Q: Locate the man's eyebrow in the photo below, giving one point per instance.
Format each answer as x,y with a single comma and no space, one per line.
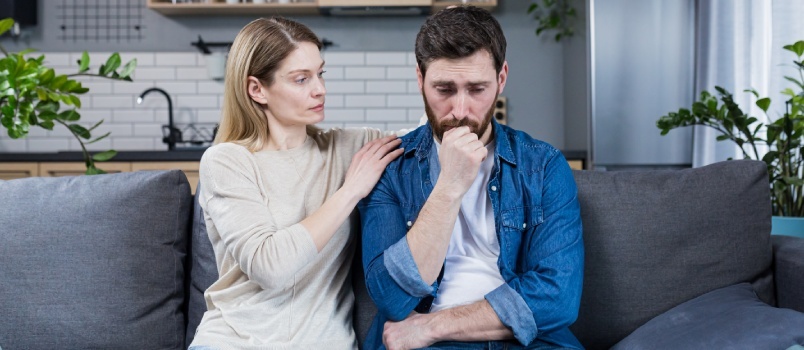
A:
450,83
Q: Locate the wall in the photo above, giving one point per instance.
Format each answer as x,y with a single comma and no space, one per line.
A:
359,92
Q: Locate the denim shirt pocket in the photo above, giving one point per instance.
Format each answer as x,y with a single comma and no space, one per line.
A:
515,224
521,218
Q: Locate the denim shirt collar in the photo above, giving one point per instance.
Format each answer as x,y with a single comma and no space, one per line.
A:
422,143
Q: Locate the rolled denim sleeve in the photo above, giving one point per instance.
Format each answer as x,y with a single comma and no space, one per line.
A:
392,277
546,296
400,265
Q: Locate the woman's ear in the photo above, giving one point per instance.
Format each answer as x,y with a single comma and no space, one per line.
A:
256,91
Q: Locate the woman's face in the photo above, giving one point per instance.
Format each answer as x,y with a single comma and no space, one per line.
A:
296,97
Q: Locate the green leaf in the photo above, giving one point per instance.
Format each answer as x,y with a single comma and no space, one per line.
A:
47,124
46,76
41,94
75,101
80,131
92,170
58,82
753,92
98,139
47,106
797,48
96,125
111,64
795,81
5,25
83,64
47,115
722,137
128,68
69,115
104,156
532,7
764,103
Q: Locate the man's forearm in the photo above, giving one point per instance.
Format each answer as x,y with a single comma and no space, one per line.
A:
473,322
429,237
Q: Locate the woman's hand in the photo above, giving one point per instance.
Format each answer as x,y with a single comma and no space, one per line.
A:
369,163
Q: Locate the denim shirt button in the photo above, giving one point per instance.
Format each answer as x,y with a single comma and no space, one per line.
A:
410,224
525,225
494,188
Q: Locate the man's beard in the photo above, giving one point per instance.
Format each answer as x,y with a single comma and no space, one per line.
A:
440,128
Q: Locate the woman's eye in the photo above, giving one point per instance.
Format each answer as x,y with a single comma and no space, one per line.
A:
321,73
301,80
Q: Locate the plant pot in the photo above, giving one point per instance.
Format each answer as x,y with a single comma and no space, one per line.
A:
787,226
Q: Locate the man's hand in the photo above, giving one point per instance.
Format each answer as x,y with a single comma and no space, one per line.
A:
460,157
410,333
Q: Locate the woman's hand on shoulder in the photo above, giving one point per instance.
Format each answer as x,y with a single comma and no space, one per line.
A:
369,163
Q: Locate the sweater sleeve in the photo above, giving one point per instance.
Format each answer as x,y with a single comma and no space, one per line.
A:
231,197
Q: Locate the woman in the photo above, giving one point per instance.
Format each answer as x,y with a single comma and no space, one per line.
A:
278,194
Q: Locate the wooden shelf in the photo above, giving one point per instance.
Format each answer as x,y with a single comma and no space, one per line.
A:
222,8
486,4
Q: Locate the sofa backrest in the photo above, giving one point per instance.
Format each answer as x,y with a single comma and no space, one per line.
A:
655,239
94,262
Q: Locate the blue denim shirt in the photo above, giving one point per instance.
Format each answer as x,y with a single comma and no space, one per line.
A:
538,223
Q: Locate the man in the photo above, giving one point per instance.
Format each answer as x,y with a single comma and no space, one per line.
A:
471,238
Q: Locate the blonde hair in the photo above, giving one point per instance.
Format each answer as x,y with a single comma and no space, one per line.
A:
257,51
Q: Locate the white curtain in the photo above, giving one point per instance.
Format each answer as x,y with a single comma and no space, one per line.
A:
739,46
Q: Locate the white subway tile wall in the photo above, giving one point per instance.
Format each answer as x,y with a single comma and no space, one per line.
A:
364,89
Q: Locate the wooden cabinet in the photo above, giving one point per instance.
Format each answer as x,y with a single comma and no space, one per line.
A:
575,164
18,170
52,169
190,169
296,7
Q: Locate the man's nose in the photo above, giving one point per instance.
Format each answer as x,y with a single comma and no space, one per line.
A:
460,108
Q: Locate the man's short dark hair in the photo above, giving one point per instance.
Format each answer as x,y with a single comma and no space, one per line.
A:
459,32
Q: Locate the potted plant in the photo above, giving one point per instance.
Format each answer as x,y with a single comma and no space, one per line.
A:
783,138
32,94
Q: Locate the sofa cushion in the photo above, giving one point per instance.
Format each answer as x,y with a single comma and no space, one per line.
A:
94,261
655,239
203,269
727,318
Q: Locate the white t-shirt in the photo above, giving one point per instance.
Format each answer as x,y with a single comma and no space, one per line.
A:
471,269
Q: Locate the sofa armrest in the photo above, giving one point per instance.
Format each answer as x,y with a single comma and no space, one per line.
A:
788,264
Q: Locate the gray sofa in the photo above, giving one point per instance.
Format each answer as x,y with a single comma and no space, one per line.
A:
121,261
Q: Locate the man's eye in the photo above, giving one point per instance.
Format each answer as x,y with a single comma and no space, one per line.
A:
444,91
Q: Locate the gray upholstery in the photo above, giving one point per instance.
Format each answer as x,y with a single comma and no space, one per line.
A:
94,261
659,238
97,262
728,318
203,269
788,255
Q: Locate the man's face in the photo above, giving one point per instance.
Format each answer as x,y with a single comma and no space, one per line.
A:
462,92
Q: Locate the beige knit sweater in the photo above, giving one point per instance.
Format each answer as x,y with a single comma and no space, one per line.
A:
275,291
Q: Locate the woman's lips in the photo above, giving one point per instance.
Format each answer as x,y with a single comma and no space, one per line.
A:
318,108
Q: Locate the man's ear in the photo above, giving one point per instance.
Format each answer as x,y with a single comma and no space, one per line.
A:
256,91
502,78
420,78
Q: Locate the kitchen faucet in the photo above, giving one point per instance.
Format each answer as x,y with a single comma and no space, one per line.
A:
174,135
